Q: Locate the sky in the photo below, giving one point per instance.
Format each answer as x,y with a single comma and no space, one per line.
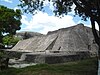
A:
43,22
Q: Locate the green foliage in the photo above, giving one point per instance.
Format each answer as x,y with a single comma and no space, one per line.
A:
15,40
10,40
1,54
31,5
9,21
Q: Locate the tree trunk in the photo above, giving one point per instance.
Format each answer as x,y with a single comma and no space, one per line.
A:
99,59
97,40
99,54
99,63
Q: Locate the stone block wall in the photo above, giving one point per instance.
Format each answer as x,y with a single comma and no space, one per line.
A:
55,57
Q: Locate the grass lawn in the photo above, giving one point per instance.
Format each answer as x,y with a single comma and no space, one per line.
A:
82,67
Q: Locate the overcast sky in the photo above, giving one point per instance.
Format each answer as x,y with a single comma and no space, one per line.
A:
43,22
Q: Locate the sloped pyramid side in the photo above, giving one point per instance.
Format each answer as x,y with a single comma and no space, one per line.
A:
71,40
23,44
35,44
46,42
76,38
41,43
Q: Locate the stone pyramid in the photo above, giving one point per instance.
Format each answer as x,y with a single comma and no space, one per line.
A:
75,38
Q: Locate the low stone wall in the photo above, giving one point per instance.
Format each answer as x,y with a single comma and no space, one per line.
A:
55,57
50,58
35,58
65,58
60,59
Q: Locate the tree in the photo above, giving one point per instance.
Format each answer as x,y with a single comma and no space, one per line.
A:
26,35
9,21
86,9
10,40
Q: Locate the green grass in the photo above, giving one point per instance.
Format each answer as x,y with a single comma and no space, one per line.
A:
83,67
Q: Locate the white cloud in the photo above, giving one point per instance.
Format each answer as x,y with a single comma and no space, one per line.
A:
9,1
46,23
24,20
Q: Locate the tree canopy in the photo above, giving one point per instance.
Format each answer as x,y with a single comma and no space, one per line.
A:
9,21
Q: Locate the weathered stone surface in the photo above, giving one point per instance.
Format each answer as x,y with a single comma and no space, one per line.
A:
75,38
